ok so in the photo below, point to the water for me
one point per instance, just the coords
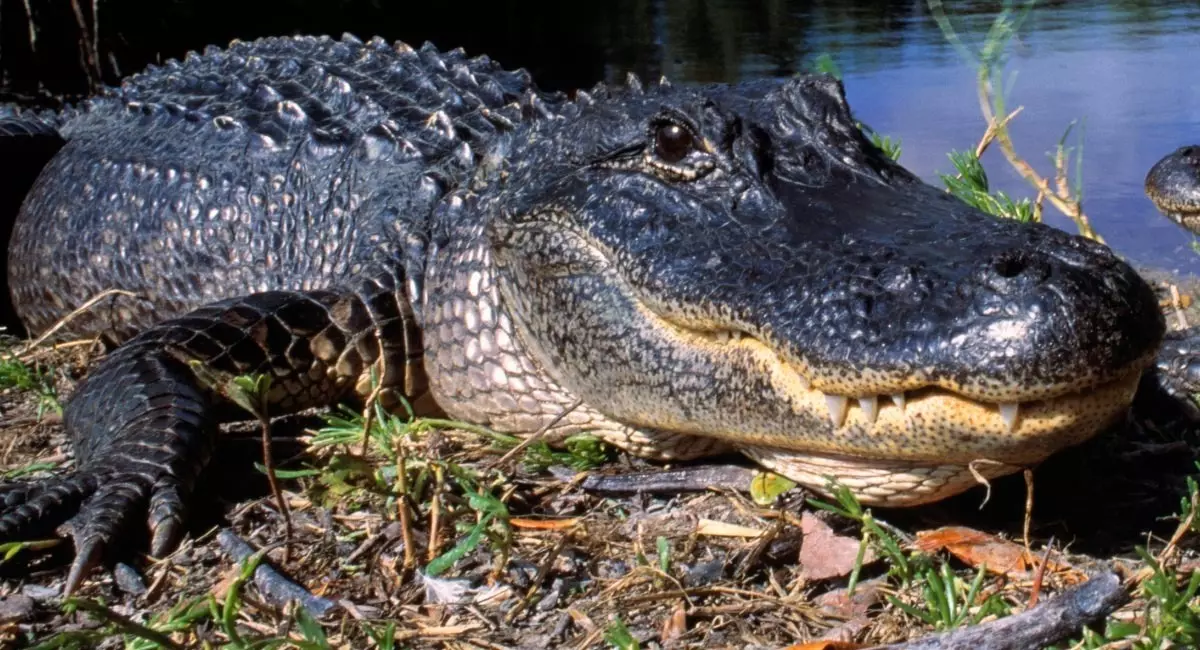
(1124, 70)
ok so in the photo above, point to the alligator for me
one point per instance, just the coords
(1173, 185)
(680, 270)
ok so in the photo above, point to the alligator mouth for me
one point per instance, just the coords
(907, 439)
(882, 415)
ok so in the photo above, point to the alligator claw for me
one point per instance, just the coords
(35, 509)
(102, 509)
(166, 516)
(88, 550)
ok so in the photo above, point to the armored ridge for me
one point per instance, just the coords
(699, 268)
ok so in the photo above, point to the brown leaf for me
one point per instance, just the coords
(852, 609)
(824, 553)
(977, 549)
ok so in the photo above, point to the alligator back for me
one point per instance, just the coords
(284, 163)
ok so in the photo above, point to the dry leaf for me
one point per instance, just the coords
(824, 553)
(852, 609)
(977, 549)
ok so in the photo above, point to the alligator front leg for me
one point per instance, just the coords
(144, 423)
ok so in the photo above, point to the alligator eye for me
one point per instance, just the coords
(672, 142)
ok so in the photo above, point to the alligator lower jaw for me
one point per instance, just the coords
(938, 443)
(882, 483)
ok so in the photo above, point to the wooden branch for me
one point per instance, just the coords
(1035, 628)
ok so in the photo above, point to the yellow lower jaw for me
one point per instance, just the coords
(893, 484)
(939, 444)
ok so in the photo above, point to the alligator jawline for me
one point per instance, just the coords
(931, 424)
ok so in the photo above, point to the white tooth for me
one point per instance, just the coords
(804, 381)
(735, 335)
(722, 336)
(899, 400)
(869, 406)
(837, 405)
(1008, 413)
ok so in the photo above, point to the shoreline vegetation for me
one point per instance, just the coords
(369, 529)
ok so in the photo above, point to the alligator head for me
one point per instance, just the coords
(741, 263)
(1173, 185)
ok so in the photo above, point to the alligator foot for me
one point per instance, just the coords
(95, 508)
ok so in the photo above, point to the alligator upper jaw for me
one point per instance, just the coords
(917, 419)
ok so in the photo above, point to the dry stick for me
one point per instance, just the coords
(1037, 627)
(402, 506)
(32, 26)
(435, 514)
(1028, 473)
(28, 356)
(269, 464)
(1065, 203)
(537, 436)
(1039, 575)
(369, 408)
(276, 588)
(86, 60)
(96, 37)
(1177, 304)
(1172, 546)
(990, 134)
(62, 322)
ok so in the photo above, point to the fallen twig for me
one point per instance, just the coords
(87, 305)
(277, 589)
(1035, 628)
(688, 479)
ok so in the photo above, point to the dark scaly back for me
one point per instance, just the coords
(284, 163)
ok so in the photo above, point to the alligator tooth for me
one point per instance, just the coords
(735, 335)
(804, 382)
(899, 400)
(1008, 413)
(837, 405)
(869, 406)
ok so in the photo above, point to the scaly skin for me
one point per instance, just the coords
(701, 268)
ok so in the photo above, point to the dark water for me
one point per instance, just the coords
(1125, 70)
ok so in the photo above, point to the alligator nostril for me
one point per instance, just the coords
(1009, 266)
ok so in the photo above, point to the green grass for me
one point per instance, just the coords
(38, 381)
